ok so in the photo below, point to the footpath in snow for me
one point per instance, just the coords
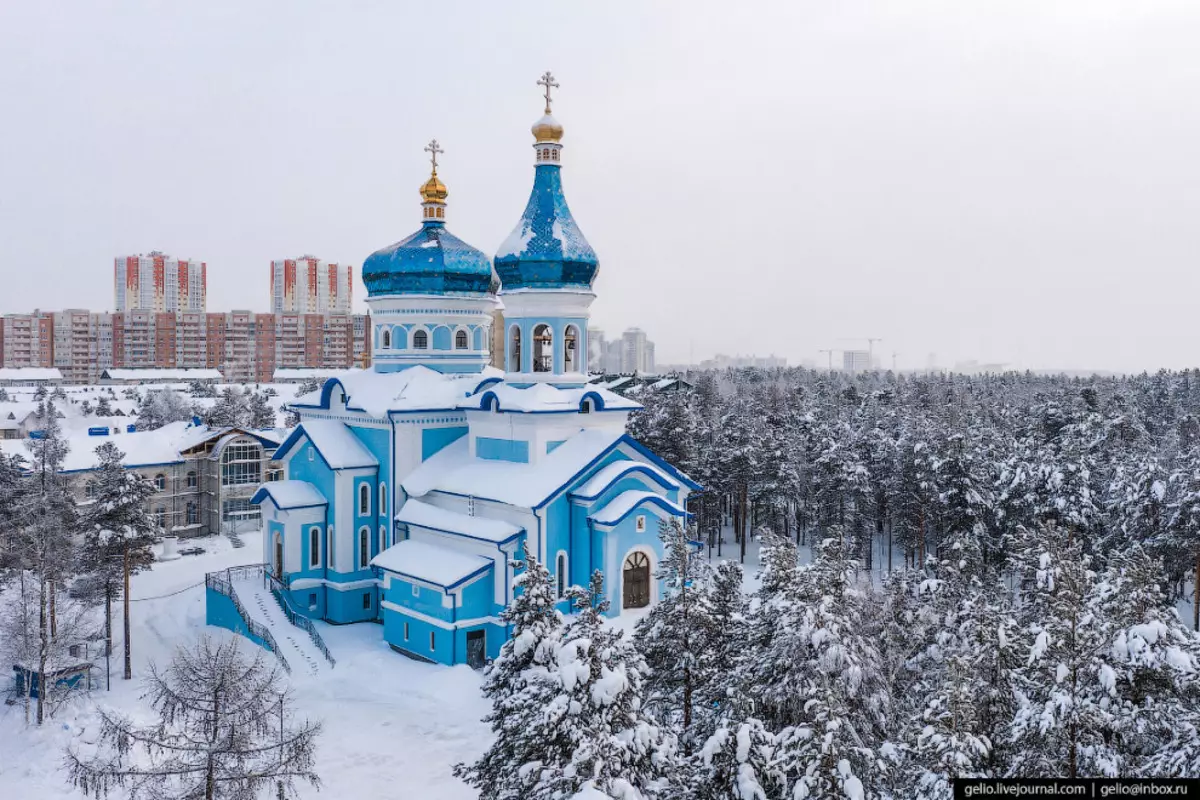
(295, 644)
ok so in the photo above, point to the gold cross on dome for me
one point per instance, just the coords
(548, 81)
(433, 148)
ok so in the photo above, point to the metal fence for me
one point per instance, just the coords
(299, 620)
(222, 583)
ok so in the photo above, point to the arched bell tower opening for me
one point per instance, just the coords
(543, 348)
(571, 349)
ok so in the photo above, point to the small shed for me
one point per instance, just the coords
(67, 672)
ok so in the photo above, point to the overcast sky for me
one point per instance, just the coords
(1000, 181)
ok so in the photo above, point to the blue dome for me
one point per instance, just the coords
(431, 261)
(547, 250)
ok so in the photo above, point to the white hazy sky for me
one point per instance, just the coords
(1002, 181)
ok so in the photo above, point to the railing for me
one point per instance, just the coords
(224, 585)
(299, 620)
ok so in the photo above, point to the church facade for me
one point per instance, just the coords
(411, 486)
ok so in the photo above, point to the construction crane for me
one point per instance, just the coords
(830, 352)
(894, 354)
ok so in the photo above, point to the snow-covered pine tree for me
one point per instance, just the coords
(520, 683)
(597, 719)
(119, 533)
(737, 762)
(260, 412)
(1150, 669)
(161, 407)
(1063, 724)
(47, 521)
(226, 729)
(677, 632)
(725, 648)
(232, 410)
(103, 407)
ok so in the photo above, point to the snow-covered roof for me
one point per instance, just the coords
(417, 388)
(619, 507)
(544, 398)
(284, 375)
(290, 494)
(141, 449)
(452, 469)
(613, 472)
(12, 415)
(160, 375)
(18, 374)
(424, 515)
(340, 448)
(427, 562)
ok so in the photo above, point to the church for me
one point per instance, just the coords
(411, 486)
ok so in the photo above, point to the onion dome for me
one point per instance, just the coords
(432, 260)
(546, 250)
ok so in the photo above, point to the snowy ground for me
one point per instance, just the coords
(393, 727)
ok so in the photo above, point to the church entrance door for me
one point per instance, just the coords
(635, 579)
(476, 649)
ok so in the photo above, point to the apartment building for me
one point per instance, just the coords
(159, 283)
(308, 285)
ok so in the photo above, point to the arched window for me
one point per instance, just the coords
(543, 349)
(561, 570)
(460, 340)
(329, 548)
(514, 349)
(441, 212)
(635, 580)
(314, 547)
(545, 152)
(554, 154)
(586, 406)
(570, 349)
(193, 514)
(241, 463)
(385, 341)
(420, 340)
(382, 538)
(364, 547)
(191, 479)
(160, 516)
(160, 482)
(382, 499)
(364, 499)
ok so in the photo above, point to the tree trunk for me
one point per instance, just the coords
(43, 649)
(107, 633)
(53, 614)
(1196, 596)
(743, 511)
(128, 652)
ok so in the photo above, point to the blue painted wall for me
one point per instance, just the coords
(502, 449)
(220, 611)
(347, 606)
(434, 439)
(552, 446)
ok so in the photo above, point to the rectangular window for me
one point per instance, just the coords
(367, 600)
(416, 590)
(239, 509)
(641, 524)
(431, 641)
(406, 631)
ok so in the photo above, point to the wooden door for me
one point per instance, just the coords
(635, 579)
(476, 649)
(278, 558)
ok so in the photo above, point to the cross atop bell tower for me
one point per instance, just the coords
(548, 81)
(433, 148)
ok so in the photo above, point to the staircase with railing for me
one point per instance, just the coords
(299, 620)
(222, 583)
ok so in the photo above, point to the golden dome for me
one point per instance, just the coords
(547, 129)
(433, 190)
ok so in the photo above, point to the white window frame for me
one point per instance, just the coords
(314, 546)
(364, 547)
(416, 590)
(364, 493)
(330, 546)
(561, 566)
(639, 525)
(383, 499)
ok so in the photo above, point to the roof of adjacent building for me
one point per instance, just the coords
(30, 374)
(162, 446)
(160, 375)
(611, 473)
(425, 515)
(441, 566)
(290, 494)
